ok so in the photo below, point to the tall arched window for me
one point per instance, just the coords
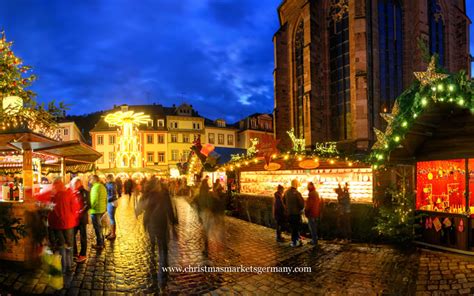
(390, 52)
(436, 23)
(298, 107)
(339, 68)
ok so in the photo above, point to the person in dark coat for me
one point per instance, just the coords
(312, 211)
(294, 203)
(119, 185)
(279, 213)
(129, 187)
(159, 221)
(83, 198)
(209, 215)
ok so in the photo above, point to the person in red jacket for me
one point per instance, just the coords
(312, 211)
(62, 220)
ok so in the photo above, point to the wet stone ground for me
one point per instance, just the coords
(126, 267)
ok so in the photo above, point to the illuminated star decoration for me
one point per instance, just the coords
(430, 75)
(267, 147)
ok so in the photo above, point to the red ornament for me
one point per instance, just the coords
(461, 226)
(266, 147)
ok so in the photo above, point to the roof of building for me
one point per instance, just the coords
(213, 123)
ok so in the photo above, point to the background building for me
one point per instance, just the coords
(153, 138)
(339, 63)
(166, 140)
(70, 131)
(253, 127)
(220, 134)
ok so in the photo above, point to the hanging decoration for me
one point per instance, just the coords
(430, 75)
(267, 147)
(461, 226)
(437, 224)
(272, 166)
(339, 9)
(432, 87)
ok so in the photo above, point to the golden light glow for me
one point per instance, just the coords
(331, 161)
(127, 152)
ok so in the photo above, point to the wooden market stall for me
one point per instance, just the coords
(431, 131)
(258, 179)
(24, 158)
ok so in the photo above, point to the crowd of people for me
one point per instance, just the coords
(77, 204)
(73, 205)
(289, 205)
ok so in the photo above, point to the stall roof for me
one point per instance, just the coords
(72, 151)
(23, 141)
(128, 170)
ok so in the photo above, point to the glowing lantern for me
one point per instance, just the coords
(12, 104)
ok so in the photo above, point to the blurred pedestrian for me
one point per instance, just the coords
(159, 222)
(112, 204)
(312, 211)
(294, 204)
(128, 187)
(83, 199)
(62, 220)
(279, 213)
(119, 185)
(205, 206)
(98, 208)
(344, 212)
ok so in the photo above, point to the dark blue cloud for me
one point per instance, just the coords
(214, 54)
(92, 54)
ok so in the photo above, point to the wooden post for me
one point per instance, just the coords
(63, 170)
(28, 175)
(466, 189)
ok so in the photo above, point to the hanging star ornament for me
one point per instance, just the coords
(430, 75)
(381, 139)
(388, 117)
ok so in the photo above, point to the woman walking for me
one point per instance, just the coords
(279, 213)
(112, 204)
(62, 221)
(83, 199)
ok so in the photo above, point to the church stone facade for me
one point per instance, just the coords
(340, 63)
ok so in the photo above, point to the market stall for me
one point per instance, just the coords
(431, 129)
(256, 180)
(25, 159)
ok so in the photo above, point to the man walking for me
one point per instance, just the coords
(294, 203)
(98, 208)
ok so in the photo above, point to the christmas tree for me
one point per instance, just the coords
(15, 80)
(15, 77)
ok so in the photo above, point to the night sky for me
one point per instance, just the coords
(214, 54)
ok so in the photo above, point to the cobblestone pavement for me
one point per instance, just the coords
(125, 266)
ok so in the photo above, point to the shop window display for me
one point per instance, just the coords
(326, 180)
(441, 186)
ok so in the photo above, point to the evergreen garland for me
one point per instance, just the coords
(11, 228)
